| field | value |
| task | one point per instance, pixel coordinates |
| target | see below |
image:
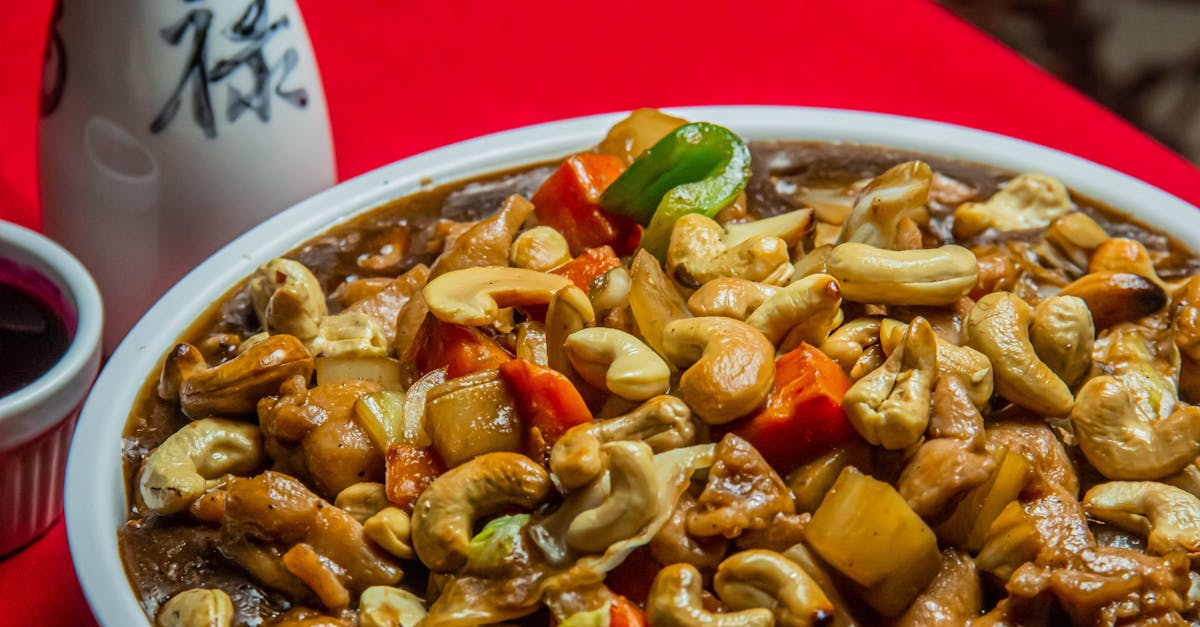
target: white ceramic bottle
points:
(169, 127)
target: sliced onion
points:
(413, 431)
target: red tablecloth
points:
(402, 77)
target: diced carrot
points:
(625, 614)
(569, 201)
(590, 264)
(461, 350)
(410, 469)
(546, 400)
(803, 417)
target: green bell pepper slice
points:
(697, 168)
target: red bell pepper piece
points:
(624, 613)
(634, 576)
(462, 350)
(569, 201)
(410, 469)
(547, 401)
(590, 264)
(803, 417)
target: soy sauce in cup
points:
(33, 337)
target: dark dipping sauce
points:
(32, 339)
(166, 555)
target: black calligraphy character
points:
(54, 71)
(195, 73)
(254, 29)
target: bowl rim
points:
(94, 467)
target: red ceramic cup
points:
(36, 421)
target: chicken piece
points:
(487, 242)
(953, 460)
(1034, 441)
(385, 305)
(953, 598)
(673, 544)
(312, 434)
(743, 493)
(280, 532)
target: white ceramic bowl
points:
(95, 501)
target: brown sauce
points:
(166, 555)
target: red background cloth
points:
(403, 77)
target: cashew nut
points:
(569, 311)
(1076, 235)
(1167, 516)
(177, 472)
(632, 502)
(288, 298)
(1122, 444)
(731, 298)
(198, 607)
(1115, 297)
(362, 500)
(998, 327)
(444, 516)
(390, 528)
(766, 579)
(933, 276)
(698, 255)
(675, 601)
(541, 248)
(1062, 336)
(474, 296)
(619, 362)
(234, 387)
(789, 227)
(730, 366)
(1029, 201)
(663, 422)
(970, 365)
(1120, 254)
(611, 289)
(850, 343)
(810, 307)
(890, 406)
(884, 202)
(385, 606)
(350, 333)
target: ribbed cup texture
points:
(31, 485)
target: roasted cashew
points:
(619, 362)
(1076, 235)
(698, 255)
(849, 342)
(362, 500)
(998, 327)
(385, 606)
(1121, 254)
(198, 607)
(1062, 336)
(474, 296)
(1115, 297)
(789, 227)
(1187, 319)
(811, 307)
(890, 406)
(931, 276)
(569, 311)
(234, 387)
(675, 601)
(1029, 201)
(541, 248)
(1167, 516)
(288, 298)
(1122, 444)
(391, 529)
(970, 365)
(632, 502)
(730, 366)
(610, 290)
(885, 202)
(766, 579)
(731, 298)
(663, 422)
(177, 472)
(444, 516)
(349, 334)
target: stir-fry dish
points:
(679, 380)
